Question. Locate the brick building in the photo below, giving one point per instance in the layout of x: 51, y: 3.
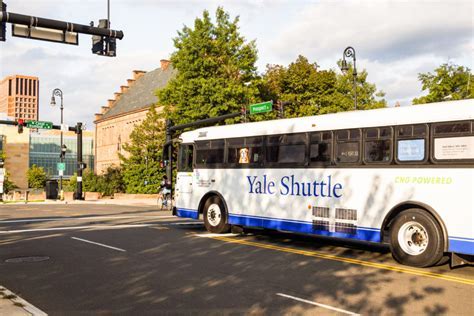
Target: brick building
x: 19, y: 97
x: 128, y: 108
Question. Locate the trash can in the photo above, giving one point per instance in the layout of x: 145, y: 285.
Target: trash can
x: 52, y: 190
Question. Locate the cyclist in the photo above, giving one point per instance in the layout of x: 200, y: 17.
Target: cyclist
x: 165, y: 187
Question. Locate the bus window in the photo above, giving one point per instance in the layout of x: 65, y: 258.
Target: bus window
x: 286, y: 149
x: 453, y: 141
x: 245, y: 152
x: 348, y: 146
x: 411, y: 143
x: 378, y: 145
x: 320, y: 148
x: 209, y: 153
x: 185, y: 158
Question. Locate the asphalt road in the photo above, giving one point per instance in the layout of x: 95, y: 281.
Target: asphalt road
x: 123, y: 259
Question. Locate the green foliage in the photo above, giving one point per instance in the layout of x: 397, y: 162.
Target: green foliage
x: 8, y: 185
x: 143, y: 162
x: 449, y: 82
x: 36, y: 177
x: 215, y: 64
x: 111, y: 181
x: 311, y: 91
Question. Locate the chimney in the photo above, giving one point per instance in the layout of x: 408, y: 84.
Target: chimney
x: 130, y: 82
x: 165, y: 64
x: 123, y: 89
x: 110, y: 103
x: 104, y: 109
x: 117, y: 96
x: 138, y: 73
x: 98, y: 116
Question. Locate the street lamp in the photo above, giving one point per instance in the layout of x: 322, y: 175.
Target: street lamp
x: 58, y: 93
x: 350, y: 52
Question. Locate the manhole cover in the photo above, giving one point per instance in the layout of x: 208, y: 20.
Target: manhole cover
x: 27, y: 259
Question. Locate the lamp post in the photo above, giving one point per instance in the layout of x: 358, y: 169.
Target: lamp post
x: 350, y: 52
x: 58, y: 93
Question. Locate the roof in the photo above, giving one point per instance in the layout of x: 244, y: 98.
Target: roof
x: 425, y: 113
x: 141, y: 94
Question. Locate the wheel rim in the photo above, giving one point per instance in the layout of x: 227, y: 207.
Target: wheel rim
x: 413, y: 238
x: 214, y: 215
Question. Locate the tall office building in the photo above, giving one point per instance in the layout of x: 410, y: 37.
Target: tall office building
x: 19, y: 97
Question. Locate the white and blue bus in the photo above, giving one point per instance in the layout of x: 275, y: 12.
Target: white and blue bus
x: 402, y: 176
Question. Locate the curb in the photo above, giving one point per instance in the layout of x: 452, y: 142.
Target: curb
x: 20, y: 303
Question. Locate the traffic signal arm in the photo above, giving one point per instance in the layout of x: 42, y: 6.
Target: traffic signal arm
x: 15, y: 18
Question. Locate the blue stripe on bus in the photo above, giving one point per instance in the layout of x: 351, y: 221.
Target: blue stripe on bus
x: 301, y: 227
x: 456, y: 244
x: 465, y: 246
x: 183, y: 212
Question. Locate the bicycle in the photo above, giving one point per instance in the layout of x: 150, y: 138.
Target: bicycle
x: 164, y: 201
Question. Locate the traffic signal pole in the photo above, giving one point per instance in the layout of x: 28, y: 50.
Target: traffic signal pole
x: 78, y: 193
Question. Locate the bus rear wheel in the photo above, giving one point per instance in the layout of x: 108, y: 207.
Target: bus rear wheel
x: 416, y: 239
x: 215, y: 216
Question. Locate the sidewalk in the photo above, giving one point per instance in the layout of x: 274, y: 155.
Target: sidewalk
x: 11, y: 304
x: 136, y: 202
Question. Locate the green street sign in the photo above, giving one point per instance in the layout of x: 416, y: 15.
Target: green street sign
x: 261, y: 107
x: 61, y: 166
x: 39, y: 124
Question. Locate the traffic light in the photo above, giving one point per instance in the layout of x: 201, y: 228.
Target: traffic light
x: 97, y: 45
x: 20, y: 124
x: 111, y: 47
x: 3, y: 25
x: 104, y: 45
x: 62, y: 154
x: 243, y: 114
x: 279, y: 109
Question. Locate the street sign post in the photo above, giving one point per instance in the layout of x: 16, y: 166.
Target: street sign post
x: 261, y: 107
x: 39, y: 124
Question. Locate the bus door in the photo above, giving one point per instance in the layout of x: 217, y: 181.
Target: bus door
x: 184, y: 183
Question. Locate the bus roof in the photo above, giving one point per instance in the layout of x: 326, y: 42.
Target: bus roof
x: 424, y: 113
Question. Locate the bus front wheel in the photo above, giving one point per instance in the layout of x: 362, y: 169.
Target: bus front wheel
x: 215, y: 216
x: 416, y: 239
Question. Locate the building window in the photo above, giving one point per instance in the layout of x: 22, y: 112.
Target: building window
x: 17, y: 81
x: 10, y: 88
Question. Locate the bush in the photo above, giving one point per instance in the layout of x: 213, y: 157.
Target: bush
x: 36, y: 177
x: 112, y: 181
x: 109, y: 183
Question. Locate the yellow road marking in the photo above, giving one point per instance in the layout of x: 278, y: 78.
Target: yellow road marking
x: 376, y: 265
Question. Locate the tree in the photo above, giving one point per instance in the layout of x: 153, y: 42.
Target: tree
x: 215, y: 65
x: 449, y: 82
x: 141, y: 168
x: 36, y: 177
x: 310, y: 91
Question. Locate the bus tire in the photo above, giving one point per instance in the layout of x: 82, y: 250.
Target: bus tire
x: 215, y: 216
x: 416, y: 239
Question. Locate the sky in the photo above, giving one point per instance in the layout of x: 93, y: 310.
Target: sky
x: 394, y: 42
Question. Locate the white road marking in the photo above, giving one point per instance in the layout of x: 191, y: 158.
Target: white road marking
x: 33, y: 310
x: 81, y: 218
x: 98, y: 244
x: 187, y: 223
x: 210, y: 235
x: 72, y: 228
x: 316, y: 304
